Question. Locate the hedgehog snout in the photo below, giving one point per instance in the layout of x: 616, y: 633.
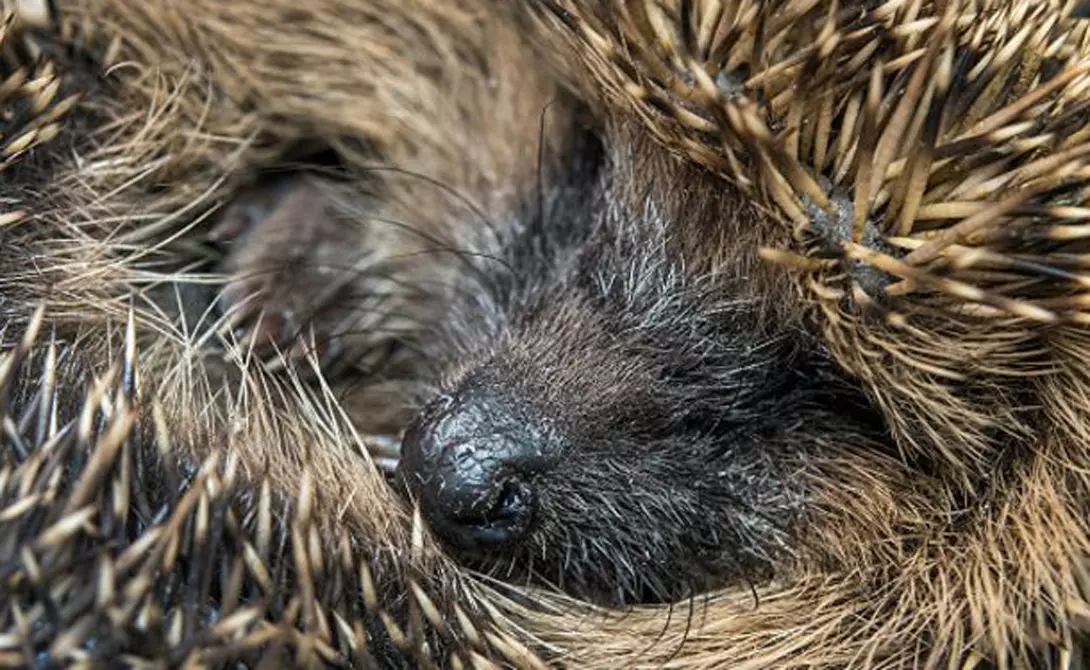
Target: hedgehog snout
x: 472, y: 461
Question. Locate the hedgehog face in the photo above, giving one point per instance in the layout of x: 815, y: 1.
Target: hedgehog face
x: 612, y: 394
x: 615, y: 417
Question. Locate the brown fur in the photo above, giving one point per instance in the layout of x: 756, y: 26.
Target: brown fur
x: 914, y: 564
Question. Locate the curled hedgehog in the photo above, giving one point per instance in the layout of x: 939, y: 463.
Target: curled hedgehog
x: 683, y: 334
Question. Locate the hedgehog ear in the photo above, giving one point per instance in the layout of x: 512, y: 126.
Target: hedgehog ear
x: 34, y: 13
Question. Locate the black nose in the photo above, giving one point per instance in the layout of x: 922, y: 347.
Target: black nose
x: 472, y: 461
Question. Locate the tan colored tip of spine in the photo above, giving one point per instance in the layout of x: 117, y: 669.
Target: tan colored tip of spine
x: 32, y: 107
x: 33, y: 13
x: 950, y: 126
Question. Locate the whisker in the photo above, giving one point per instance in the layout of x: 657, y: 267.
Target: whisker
x: 460, y: 197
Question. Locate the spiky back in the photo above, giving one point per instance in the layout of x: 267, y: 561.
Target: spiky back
x: 117, y: 549
x: 929, y: 158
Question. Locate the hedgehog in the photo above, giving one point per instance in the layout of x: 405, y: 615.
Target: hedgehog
x: 734, y: 334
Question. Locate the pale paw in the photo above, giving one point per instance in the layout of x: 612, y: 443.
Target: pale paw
x: 290, y: 264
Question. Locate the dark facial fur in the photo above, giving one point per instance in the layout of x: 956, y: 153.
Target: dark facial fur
x: 670, y: 414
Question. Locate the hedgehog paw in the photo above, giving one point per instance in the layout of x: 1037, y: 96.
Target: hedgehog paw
x: 287, y: 264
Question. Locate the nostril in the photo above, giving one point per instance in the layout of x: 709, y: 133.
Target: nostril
x: 474, y: 465
x: 511, y: 505
x: 504, y: 514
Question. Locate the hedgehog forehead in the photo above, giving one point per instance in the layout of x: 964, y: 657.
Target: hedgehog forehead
x: 635, y: 355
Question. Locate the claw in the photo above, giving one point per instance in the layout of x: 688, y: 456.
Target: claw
x: 233, y: 224
x: 242, y: 304
x: 385, y: 451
